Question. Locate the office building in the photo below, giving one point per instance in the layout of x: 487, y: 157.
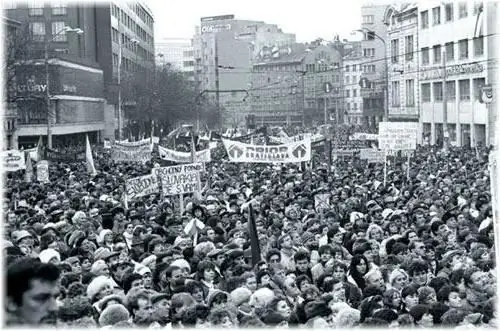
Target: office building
x: 176, y: 54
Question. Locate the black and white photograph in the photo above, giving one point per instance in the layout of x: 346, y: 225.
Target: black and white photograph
x: 250, y: 164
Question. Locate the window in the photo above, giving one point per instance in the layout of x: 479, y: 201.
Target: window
x: 353, y: 68
x: 355, y: 106
x: 477, y: 6
x: 450, y: 91
x: 35, y: 8
x: 477, y: 85
x: 369, y: 52
x: 436, y: 16
x: 426, y: 92
x: 347, y: 68
x: 38, y: 30
x: 450, y: 51
x: 463, y: 49
x: 59, y: 8
x: 478, y: 46
x: 424, y: 17
x: 436, y: 50
x: 448, y: 11
x: 368, y: 19
x: 425, y: 55
x: 58, y: 29
x: 394, y: 50
x: 410, y: 92
x: 462, y: 9
x: 348, y: 106
x: 409, y: 48
x: 464, y: 89
x: 395, y: 94
x: 437, y: 91
x: 347, y: 80
x: 370, y: 35
x: 354, y: 93
x: 347, y: 93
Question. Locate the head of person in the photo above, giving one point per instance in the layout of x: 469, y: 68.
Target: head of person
x: 409, y: 295
x: 450, y: 296
x: 207, y: 271
x: 418, y: 272
x: 195, y: 288
x: 301, y: 259
x: 375, y: 279
x: 32, y: 290
x: 422, y: 316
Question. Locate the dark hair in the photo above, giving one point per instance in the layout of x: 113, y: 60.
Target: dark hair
x: 193, y: 313
x: 301, y: 255
x: 272, y: 252
x: 438, y: 282
x: 300, y: 279
x: 191, y: 287
x: 418, y: 311
x: 128, y: 279
x: 325, y: 249
x: 409, y: 290
x: 417, y: 266
x: 386, y: 314
x: 358, y: 278
x: 22, y: 272
x: 329, y: 283
x: 69, y: 278
x: 456, y: 276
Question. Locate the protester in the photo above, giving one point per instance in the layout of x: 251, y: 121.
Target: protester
x: 254, y: 247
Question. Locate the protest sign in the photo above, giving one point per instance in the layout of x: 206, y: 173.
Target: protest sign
x: 397, y: 135
x: 179, y: 179
x: 65, y: 156
x: 183, y: 157
x: 371, y: 155
x: 364, y: 136
x: 141, y: 186
x: 13, y: 160
x: 156, y: 140
x: 138, y: 151
x: 107, y: 144
x: 42, y: 171
x: 292, y: 152
x: 322, y: 202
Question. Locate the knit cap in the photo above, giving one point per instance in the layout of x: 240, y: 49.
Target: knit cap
x: 96, y: 285
x: 113, y: 314
x: 240, y: 295
x: 48, y: 254
x: 98, y: 266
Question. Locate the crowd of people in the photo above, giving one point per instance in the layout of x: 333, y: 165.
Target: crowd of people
x: 417, y: 251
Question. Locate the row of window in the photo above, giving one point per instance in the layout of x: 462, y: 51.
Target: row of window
x: 38, y: 31
x: 131, y: 24
x: 354, y: 106
x: 449, y: 13
x: 143, y: 15
x: 368, y: 19
x: 463, y: 87
x: 367, y: 68
x: 396, y: 93
x: 127, y: 65
x: 409, y: 50
x: 463, y: 50
x: 35, y: 8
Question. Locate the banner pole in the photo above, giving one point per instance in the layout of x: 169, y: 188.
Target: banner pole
x: 181, y: 201
x: 408, y: 168
x: 385, y: 167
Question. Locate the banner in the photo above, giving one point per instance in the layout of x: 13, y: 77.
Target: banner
x: 184, y: 157
x: 287, y: 140
x: 156, y: 140
x: 107, y: 144
x: 293, y: 152
x: 372, y: 155
x: 322, y: 202
x: 364, y: 136
x: 397, y: 135
x: 179, y: 179
x: 137, y: 151
x: 13, y: 160
x: 42, y: 171
x: 141, y: 186
x: 66, y: 156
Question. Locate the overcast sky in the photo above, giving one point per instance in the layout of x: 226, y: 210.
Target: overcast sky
x: 308, y: 19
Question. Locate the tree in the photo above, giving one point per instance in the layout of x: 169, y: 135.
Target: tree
x: 17, y: 49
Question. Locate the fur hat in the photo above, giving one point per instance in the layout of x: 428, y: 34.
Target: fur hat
x: 98, y: 267
x: 78, y: 216
x: 113, y: 314
x: 100, y: 253
x: 48, y: 254
x: 212, y: 294
x: 240, y: 295
x: 96, y: 285
x: 75, y: 237
x: 74, y: 308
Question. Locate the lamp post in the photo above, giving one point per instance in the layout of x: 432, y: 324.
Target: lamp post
x: 47, y: 78
x: 120, y: 115
x: 386, y: 108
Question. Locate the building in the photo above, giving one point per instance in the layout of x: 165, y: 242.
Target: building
x: 12, y: 33
x: 354, y: 68
x: 84, y: 66
x: 447, y: 37
x: 374, y: 50
x: 224, y: 49
x: 177, y: 54
x: 402, y: 46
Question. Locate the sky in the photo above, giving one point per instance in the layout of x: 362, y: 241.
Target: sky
x: 308, y: 19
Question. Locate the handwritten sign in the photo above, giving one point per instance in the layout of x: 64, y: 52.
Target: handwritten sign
x: 42, y: 171
x: 183, y: 157
x: 372, y: 155
x: 397, y: 135
x: 139, y: 151
x: 179, y: 179
x: 141, y: 186
x: 322, y: 202
x: 364, y: 136
x: 13, y: 160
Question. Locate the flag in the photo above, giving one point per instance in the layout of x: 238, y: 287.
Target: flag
x: 39, y: 149
x: 28, y: 175
x: 254, y: 236
x: 90, y: 159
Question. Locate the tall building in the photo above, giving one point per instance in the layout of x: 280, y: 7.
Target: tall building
x: 354, y: 68
x: 224, y: 49
x: 177, y: 54
x: 402, y: 50
x: 83, y: 66
x: 451, y: 34
x: 374, y: 50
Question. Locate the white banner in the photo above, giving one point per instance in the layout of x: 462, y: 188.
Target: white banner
x: 397, y: 135
x: 156, y: 140
x: 141, y: 186
x: 42, y: 171
x: 364, y: 136
x: 13, y: 160
x: 372, y: 155
x: 179, y: 179
x: 137, y: 151
x: 107, y: 144
x: 287, y: 140
x: 184, y: 157
x: 293, y: 152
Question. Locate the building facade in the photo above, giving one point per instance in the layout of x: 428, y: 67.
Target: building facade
x: 402, y: 50
x: 177, y: 55
x: 374, y: 51
x: 447, y: 38
x: 353, y: 90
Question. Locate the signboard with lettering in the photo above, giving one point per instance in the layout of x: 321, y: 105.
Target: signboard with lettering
x: 372, y: 155
x: 211, y: 28
x: 142, y: 186
x: 452, y: 70
x: 132, y: 151
x: 13, y: 160
x: 397, y: 135
x: 42, y: 171
x: 179, y: 179
x: 65, y: 156
x: 184, y: 157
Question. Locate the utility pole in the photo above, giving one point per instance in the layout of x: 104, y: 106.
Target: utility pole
x: 217, y: 99
x: 47, y: 97
x: 446, y: 134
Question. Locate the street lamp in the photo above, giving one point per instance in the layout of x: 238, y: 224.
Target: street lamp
x: 386, y: 108
x: 120, y: 120
x: 47, y: 81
